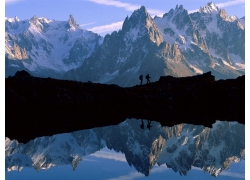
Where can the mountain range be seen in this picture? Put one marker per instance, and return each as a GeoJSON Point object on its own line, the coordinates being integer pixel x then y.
{"type": "Point", "coordinates": [46, 48]}
{"type": "Point", "coordinates": [178, 44]}
{"type": "Point", "coordinates": [180, 147]}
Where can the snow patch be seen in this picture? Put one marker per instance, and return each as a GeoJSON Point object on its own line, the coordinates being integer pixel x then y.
{"type": "Point", "coordinates": [196, 70]}
{"type": "Point", "coordinates": [227, 64]}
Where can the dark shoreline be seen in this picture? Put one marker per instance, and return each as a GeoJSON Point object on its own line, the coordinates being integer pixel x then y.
{"type": "Point", "coordinates": [37, 107]}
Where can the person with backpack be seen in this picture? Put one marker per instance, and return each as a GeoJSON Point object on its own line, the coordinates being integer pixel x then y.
{"type": "Point", "coordinates": [141, 78]}
{"type": "Point", "coordinates": [142, 124]}
{"type": "Point", "coordinates": [148, 77]}
{"type": "Point", "coordinates": [149, 125]}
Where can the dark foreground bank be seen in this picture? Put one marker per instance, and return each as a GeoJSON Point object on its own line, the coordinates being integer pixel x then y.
{"type": "Point", "coordinates": [43, 106]}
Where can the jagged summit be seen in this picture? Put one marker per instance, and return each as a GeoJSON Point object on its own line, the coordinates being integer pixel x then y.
{"type": "Point", "coordinates": [140, 24]}
{"type": "Point", "coordinates": [142, 9]}
{"type": "Point", "coordinates": [71, 21]}
{"type": "Point", "coordinates": [15, 19]}
{"type": "Point", "coordinates": [209, 8]}
{"type": "Point", "coordinates": [34, 19]}
{"type": "Point", "coordinates": [177, 7]}
{"type": "Point", "coordinates": [140, 16]}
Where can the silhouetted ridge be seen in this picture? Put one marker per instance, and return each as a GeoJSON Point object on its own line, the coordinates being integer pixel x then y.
{"type": "Point", "coordinates": [46, 106]}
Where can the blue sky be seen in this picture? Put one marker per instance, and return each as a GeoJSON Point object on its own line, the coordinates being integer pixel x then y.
{"type": "Point", "coordinates": [105, 16]}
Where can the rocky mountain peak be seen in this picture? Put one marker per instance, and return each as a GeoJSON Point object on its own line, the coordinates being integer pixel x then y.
{"type": "Point", "coordinates": [179, 7]}
{"type": "Point", "coordinates": [224, 15]}
{"type": "Point", "coordinates": [209, 8]}
{"type": "Point", "coordinates": [71, 21]}
{"type": "Point", "coordinates": [34, 19]}
{"type": "Point", "coordinates": [140, 15]}
{"type": "Point", "coordinates": [16, 19]}
{"type": "Point", "coordinates": [139, 24]}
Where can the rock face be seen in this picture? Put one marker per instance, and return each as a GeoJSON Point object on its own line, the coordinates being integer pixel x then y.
{"type": "Point", "coordinates": [178, 44]}
{"type": "Point", "coordinates": [139, 48]}
{"type": "Point", "coordinates": [180, 147]}
{"type": "Point", "coordinates": [46, 48]}
{"type": "Point", "coordinates": [69, 106]}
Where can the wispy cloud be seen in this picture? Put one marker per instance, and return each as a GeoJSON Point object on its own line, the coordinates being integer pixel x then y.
{"type": "Point", "coordinates": [128, 6]}
{"type": "Point", "coordinates": [224, 4]}
{"type": "Point", "coordinates": [91, 160]}
{"type": "Point", "coordinates": [7, 2]}
{"type": "Point", "coordinates": [118, 25]}
{"type": "Point", "coordinates": [230, 3]}
{"type": "Point", "coordinates": [192, 11]}
{"type": "Point", "coordinates": [232, 174]}
{"type": "Point", "coordinates": [110, 155]}
{"type": "Point", "coordinates": [135, 175]}
{"type": "Point", "coordinates": [87, 24]}
{"type": "Point", "coordinates": [107, 28]}
{"type": "Point", "coordinates": [130, 176]}
{"type": "Point", "coordinates": [155, 12]}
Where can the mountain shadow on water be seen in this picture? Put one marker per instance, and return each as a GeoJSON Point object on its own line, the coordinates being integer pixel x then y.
{"type": "Point", "coordinates": [37, 107]}
{"type": "Point", "coordinates": [180, 147]}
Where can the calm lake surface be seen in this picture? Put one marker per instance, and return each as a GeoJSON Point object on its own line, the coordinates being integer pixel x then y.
{"type": "Point", "coordinates": [126, 151]}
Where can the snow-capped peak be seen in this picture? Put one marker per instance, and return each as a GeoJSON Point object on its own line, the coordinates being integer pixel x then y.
{"type": "Point", "coordinates": [139, 24]}
{"type": "Point", "coordinates": [15, 19]}
{"type": "Point", "coordinates": [33, 19]}
{"type": "Point", "coordinates": [44, 20]}
{"type": "Point", "coordinates": [209, 8]}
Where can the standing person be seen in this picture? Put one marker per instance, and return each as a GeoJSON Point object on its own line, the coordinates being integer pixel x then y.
{"type": "Point", "coordinates": [149, 125]}
{"type": "Point", "coordinates": [141, 78]}
{"type": "Point", "coordinates": [142, 124]}
{"type": "Point", "coordinates": [148, 77]}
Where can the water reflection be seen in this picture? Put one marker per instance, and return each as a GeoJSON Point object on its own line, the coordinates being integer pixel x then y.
{"type": "Point", "coordinates": [182, 147]}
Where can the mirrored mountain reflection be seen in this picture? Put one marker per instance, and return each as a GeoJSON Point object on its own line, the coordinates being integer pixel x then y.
{"type": "Point", "coordinates": [180, 147]}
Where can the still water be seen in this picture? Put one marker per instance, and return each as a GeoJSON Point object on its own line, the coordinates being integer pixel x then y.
{"type": "Point", "coordinates": [126, 151]}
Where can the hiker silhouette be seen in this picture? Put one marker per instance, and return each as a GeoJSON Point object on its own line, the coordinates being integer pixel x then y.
{"type": "Point", "coordinates": [149, 125]}
{"type": "Point", "coordinates": [148, 77]}
{"type": "Point", "coordinates": [142, 124]}
{"type": "Point", "coordinates": [141, 78]}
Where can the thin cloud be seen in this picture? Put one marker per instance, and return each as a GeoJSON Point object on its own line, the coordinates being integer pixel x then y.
{"type": "Point", "coordinates": [224, 4]}
{"type": "Point", "coordinates": [232, 174]}
{"type": "Point", "coordinates": [87, 24]}
{"type": "Point", "coordinates": [135, 175]}
{"type": "Point", "coordinates": [230, 3]}
{"type": "Point", "coordinates": [110, 155]}
{"type": "Point", "coordinates": [192, 11]}
{"type": "Point", "coordinates": [130, 176]}
{"type": "Point", "coordinates": [158, 169]}
{"type": "Point", "coordinates": [106, 28]}
{"type": "Point", "coordinates": [156, 12]}
{"type": "Point", "coordinates": [7, 2]}
{"type": "Point", "coordinates": [128, 6]}
{"type": "Point", "coordinates": [91, 160]}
